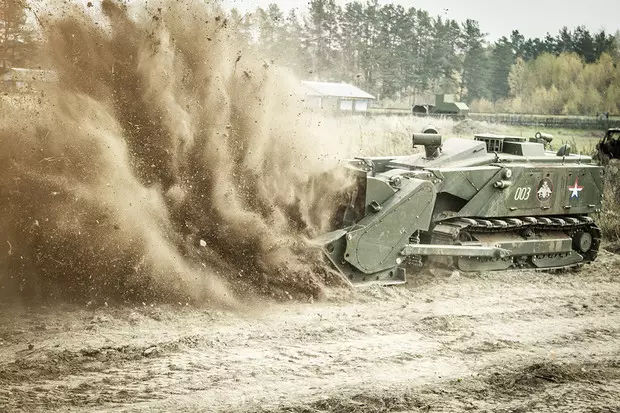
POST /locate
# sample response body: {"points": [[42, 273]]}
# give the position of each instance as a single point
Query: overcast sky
{"points": [[533, 18]]}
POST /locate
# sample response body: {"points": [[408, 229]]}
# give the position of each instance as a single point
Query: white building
{"points": [[336, 97]]}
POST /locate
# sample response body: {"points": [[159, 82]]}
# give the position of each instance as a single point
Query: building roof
{"points": [[461, 105], [341, 90]]}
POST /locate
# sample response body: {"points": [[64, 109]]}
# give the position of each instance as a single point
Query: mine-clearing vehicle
{"points": [[490, 203]]}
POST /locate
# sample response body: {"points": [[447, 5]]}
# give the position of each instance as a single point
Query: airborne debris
{"points": [[117, 229]]}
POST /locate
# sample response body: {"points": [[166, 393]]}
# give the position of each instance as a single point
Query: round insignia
{"points": [[544, 190]]}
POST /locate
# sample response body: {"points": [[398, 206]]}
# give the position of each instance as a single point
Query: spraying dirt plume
{"points": [[166, 164]]}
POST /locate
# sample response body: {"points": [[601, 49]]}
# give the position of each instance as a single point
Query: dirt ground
{"points": [[501, 342]]}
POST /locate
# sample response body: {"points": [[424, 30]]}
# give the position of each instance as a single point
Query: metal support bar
{"points": [[454, 250]]}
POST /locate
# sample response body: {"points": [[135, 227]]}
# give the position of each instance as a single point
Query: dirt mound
{"points": [[166, 164], [540, 374], [613, 247], [367, 402]]}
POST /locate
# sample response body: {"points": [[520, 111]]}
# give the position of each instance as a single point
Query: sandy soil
{"points": [[502, 342]]}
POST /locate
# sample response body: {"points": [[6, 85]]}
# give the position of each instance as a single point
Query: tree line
{"points": [[406, 55]]}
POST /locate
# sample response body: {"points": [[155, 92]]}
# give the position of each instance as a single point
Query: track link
{"points": [[457, 230]]}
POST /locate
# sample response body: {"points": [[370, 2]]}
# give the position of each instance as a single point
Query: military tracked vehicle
{"points": [[491, 203]]}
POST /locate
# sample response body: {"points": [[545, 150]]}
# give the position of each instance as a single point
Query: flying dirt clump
{"points": [[165, 164]]}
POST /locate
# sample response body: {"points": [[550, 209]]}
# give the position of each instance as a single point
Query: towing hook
{"points": [[375, 206], [502, 184]]}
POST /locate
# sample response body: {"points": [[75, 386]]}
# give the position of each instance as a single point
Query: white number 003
{"points": [[523, 194]]}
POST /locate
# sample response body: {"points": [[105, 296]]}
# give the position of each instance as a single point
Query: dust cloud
{"points": [[167, 163]]}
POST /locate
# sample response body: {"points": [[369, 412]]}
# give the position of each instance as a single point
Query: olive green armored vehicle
{"points": [[491, 203]]}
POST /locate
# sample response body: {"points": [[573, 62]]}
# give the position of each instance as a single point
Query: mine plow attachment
{"points": [[333, 245]]}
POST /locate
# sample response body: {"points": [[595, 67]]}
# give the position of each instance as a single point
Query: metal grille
{"points": [[493, 145]]}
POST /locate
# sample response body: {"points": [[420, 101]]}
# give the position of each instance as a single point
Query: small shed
{"points": [[337, 97]]}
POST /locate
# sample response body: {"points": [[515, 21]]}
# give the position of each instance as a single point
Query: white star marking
{"points": [[575, 189]]}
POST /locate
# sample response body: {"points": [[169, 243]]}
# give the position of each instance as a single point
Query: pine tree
{"points": [[16, 38], [564, 41], [446, 61], [291, 51], [603, 43], [475, 63], [322, 37], [518, 41], [502, 58], [271, 29], [549, 45], [583, 44], [425, 70], [352, 23], [391, 49], [369, 59]]}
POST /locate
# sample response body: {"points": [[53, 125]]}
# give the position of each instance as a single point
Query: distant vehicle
{"points": [[444, 105], [609, 147]]}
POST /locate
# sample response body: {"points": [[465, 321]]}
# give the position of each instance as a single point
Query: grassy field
{"points": [[391, 135], [406, 110], [584, 141]]}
